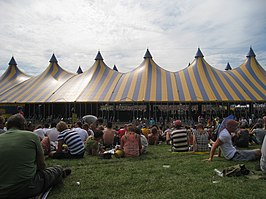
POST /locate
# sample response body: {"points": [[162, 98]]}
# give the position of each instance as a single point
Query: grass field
{"points": [[149, 176]]}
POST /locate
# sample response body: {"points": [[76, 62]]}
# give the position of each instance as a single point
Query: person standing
{"points": [[22, 167]]}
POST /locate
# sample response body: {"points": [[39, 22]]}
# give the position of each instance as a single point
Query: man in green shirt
{"points": [[22, 167]]}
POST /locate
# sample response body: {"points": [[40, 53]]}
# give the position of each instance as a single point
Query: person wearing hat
{"points": [[224, 141], [179, 137]]}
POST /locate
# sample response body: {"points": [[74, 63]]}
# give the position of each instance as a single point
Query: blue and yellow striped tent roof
{"points": [[147, 83], [39, 88], [12, 76], [200, 82], [95, 84]]}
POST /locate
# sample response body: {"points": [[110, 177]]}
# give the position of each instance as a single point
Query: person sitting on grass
{"points": [[153, 136], [2, 124], [130, 143], [259, 133], [75, 146], [179, 137], [93, 145], [108, 135], [82, 133], [143, 140], [263, 157], [224, 141], [23, 172], [241, 138], [200, 139]]}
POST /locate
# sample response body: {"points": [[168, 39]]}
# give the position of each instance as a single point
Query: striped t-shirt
{"points": [[73, 141], [179, 140]]}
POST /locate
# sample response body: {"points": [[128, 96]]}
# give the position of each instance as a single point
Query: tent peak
{"points": [[12, 61], [53, 59], [199, 54], [251, 53], [228, 67], [99, 56], [147, 54], [79, 71], [115, 68]]}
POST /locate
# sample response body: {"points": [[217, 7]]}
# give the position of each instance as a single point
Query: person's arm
{"points": [[39, 155], [140, 146], [219, 152], [122, 143], [214, 146], [60, 146], [194, 143], [95, 149]]}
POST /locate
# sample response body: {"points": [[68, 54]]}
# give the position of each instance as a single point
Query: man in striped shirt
{"points": [[75, 146], [179, 137]]}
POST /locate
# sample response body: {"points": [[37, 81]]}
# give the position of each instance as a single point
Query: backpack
{"points": [[236, 170]]}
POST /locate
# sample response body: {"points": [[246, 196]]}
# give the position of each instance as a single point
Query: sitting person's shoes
{"points": [[66, 172]]}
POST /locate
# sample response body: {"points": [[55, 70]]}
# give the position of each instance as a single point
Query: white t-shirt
{"points": [[40, 133], [263, 156], [52, 134], [82, 133], [227, 147]]}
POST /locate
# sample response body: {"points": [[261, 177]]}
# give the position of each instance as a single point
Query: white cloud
{"points": [[75, 29]]}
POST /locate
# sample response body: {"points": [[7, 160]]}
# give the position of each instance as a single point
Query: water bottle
{"points": [[219, 173]]}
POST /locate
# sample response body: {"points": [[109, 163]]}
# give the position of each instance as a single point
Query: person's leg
{"points": [[43, 180], [52, 176], [62, 155], [247, 155], [81, 155]]}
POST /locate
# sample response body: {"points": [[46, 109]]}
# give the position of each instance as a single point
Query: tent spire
{"points": [[79, 71], [53, 59], [12, 61], [228, 67], [98, 56], [199, 54], [115, 68], [147, 54], [251, 53]]}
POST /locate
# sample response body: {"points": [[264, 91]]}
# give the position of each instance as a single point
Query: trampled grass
{"points": [[158, 174]]}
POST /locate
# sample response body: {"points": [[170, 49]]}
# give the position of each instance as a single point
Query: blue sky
{"points": [[31, 30]]}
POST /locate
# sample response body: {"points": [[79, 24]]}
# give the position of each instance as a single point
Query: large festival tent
{"points": [[12, 76], [94, 85], [200, 82], [39, 88], [148, 85]]}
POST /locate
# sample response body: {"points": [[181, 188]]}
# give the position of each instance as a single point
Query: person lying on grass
{"points": [[224, 141], [93, 145]]}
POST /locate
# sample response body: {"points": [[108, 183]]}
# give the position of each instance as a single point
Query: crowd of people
{"points": [[23, 148]]}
